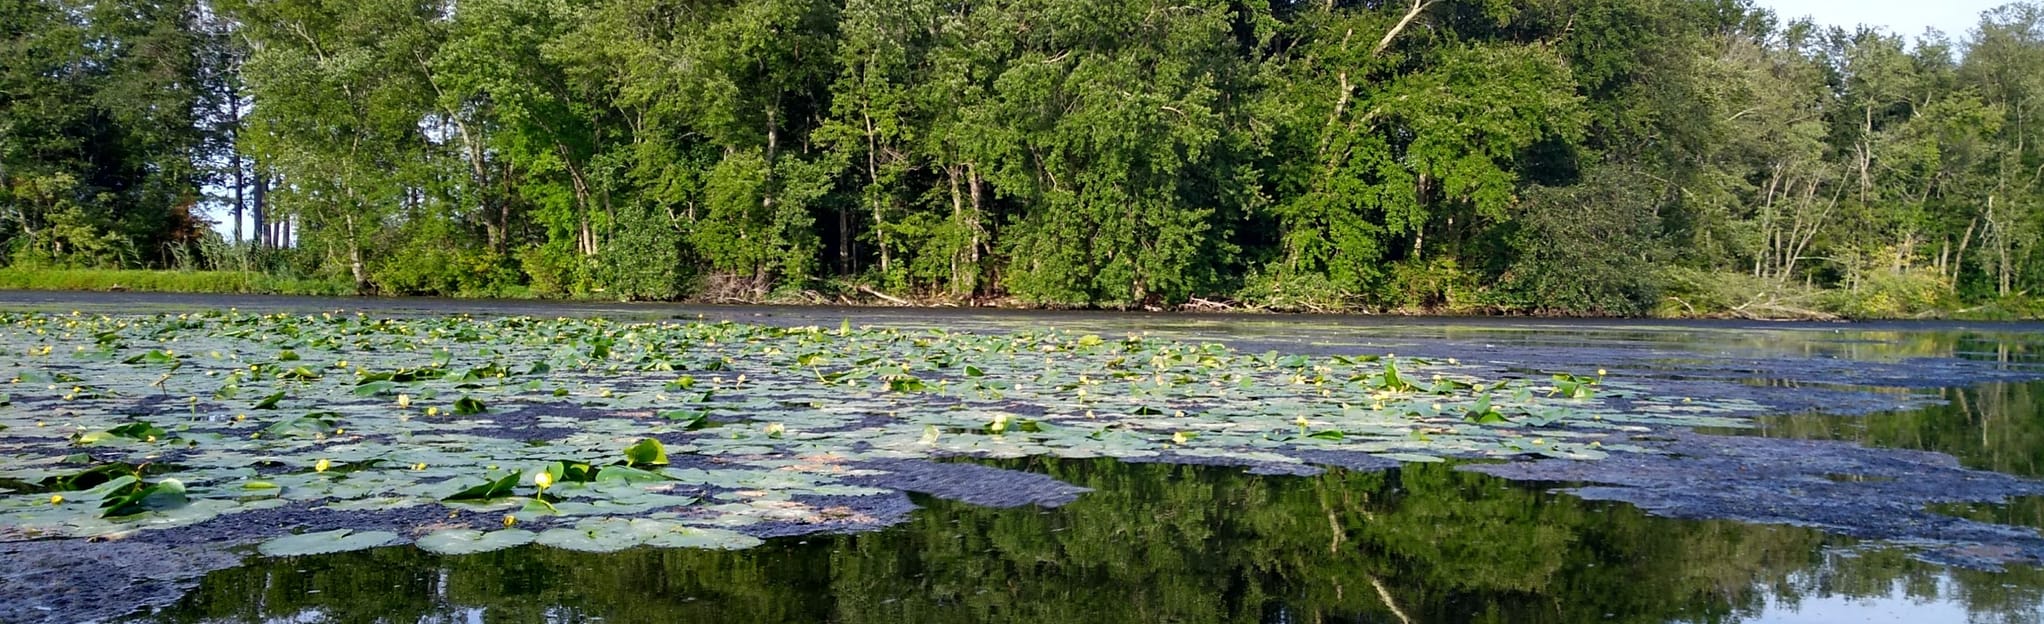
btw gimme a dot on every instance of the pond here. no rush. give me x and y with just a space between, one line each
1842 473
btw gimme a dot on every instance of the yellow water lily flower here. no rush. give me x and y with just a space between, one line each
56 499
322 466
404 401
543 480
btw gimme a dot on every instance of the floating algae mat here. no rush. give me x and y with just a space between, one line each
591 435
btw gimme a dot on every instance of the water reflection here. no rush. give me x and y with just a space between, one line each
1160 543
1993 426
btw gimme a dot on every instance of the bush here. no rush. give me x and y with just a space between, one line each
1438 285
1585 248
1693 293
1291 293
1891 294
643 259
229 282
554 270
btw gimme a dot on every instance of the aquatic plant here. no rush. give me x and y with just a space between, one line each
613 435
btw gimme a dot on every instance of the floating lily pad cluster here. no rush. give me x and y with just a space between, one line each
595 435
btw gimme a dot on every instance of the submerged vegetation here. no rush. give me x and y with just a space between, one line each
1679 157
593 435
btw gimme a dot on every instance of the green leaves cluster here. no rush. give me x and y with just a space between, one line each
1613 156
668 434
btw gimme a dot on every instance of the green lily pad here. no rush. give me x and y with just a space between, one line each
470 541
328 542
595 536
682 536
646 452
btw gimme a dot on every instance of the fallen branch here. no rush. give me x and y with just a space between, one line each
885 297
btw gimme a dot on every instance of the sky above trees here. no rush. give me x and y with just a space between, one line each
1956 18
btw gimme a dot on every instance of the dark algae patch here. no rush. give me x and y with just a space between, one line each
480 462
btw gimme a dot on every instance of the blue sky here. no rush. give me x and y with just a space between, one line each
1906 17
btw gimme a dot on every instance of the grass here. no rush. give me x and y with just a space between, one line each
238 282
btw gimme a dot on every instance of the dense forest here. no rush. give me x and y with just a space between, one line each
1589 156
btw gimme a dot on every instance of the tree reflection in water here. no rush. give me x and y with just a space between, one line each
1161 543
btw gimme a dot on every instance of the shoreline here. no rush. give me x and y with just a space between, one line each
229 283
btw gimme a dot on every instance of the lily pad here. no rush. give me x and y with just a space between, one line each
470 541
595 536
328 542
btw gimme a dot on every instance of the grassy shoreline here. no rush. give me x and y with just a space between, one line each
257 283
190 282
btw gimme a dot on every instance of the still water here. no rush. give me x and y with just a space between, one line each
1165 543
1161 543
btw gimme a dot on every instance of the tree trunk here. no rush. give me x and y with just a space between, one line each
873 194
259 213
355 256
1959 257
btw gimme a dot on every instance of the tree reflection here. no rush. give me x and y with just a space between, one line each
1152 543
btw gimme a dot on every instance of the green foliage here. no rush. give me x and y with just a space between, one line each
1590 247
1440 284
644 260
1458 155
1913 294
18 278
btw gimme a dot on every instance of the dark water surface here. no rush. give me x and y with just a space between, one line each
1166 543
1162 543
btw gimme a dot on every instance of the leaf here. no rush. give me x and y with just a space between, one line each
498 488
680 536
626 474
1334 435
468 406
139 430
691 419
159 496
597 536
471 541
270 402
1392 381
311 425
154 356
1414 458
905 383
327 542
646 452
374 388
